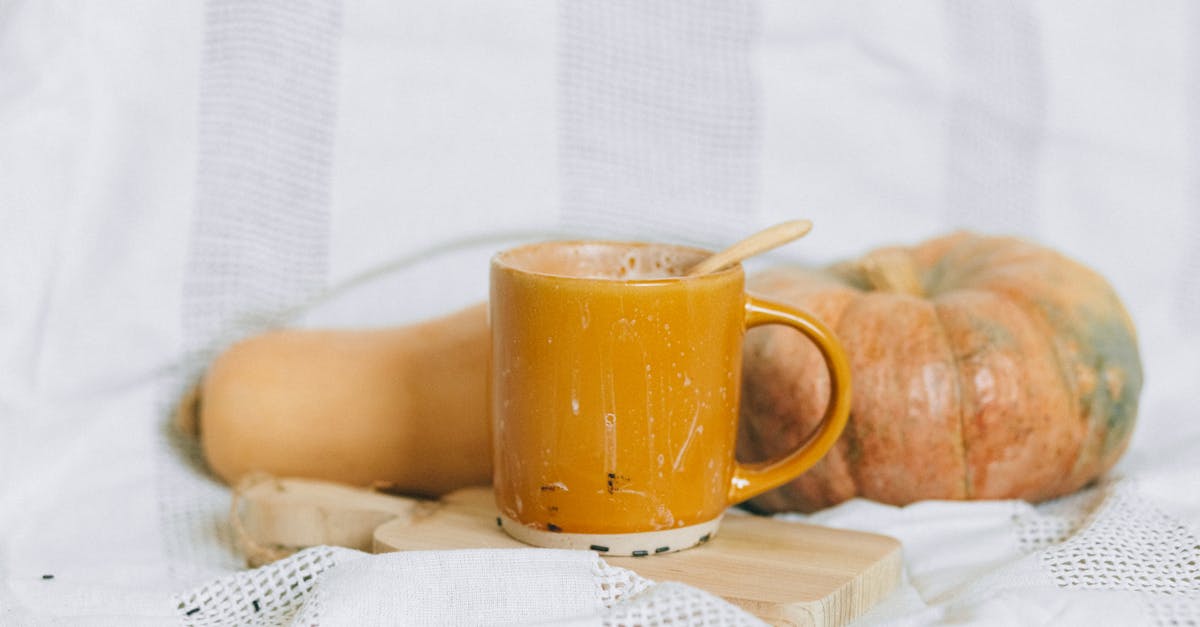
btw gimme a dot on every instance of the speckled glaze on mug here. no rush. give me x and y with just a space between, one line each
614 395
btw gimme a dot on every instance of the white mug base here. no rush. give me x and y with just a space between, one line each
641 544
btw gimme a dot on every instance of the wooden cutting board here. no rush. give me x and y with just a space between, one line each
783 572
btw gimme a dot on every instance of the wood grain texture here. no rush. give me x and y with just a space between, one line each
756 244
786 573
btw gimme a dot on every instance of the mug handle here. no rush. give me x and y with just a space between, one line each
750 480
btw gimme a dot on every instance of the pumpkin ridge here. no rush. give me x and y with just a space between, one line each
958 387
1048 331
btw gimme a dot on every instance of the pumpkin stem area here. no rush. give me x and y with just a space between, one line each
891 270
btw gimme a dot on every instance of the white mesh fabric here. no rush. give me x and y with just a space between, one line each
660 118
527 585
1186 305
1113 538
994 138
1056 521
1170 611
616 585
260 229
676 605
1130 544
270 595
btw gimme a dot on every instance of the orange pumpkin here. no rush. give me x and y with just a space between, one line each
983 368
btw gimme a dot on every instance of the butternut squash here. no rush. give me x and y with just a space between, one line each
405 407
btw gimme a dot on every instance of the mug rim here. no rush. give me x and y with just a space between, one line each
498 261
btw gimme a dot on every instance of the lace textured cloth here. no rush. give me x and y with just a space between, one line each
327 585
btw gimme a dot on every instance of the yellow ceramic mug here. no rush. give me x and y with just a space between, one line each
614 395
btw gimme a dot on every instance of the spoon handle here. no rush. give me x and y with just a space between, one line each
760 242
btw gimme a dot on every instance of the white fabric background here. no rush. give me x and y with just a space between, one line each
171 175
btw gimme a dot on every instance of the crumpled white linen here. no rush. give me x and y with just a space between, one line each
468 119
334 586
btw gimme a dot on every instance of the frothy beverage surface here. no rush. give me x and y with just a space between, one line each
625 262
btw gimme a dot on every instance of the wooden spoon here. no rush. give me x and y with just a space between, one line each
760 242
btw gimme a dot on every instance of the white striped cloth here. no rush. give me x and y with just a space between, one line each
173 177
